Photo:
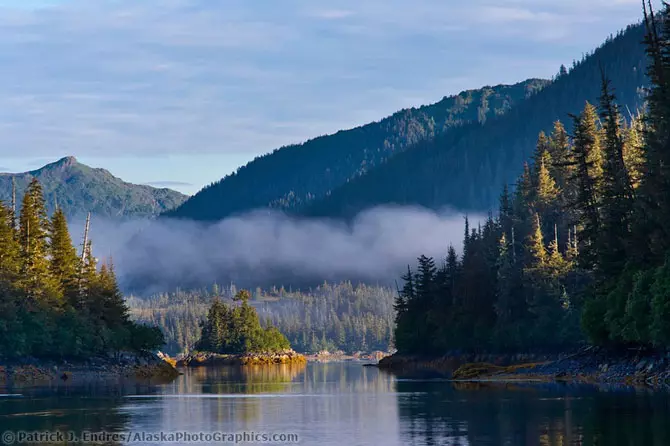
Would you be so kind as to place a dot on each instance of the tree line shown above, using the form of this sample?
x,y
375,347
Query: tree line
x,y
465,167
53,302
295,176
578,251
332,317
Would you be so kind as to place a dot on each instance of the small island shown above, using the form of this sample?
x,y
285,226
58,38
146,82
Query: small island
x,y
233,335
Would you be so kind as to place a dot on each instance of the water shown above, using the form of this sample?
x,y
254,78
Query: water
x,y
346,404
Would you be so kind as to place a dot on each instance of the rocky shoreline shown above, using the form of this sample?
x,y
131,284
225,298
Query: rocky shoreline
x,y
126,366
589,365
200,359
338,356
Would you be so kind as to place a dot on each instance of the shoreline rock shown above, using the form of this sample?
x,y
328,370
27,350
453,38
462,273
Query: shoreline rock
x,y
202,359
340,356
130,366
590,365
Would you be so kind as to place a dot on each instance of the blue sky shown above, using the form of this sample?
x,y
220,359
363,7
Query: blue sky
x,y
182,92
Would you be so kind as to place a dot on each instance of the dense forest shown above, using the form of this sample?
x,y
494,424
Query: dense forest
x,y
54,303
291,177
578,251
77,189
330,317
465,168
454,153
235,329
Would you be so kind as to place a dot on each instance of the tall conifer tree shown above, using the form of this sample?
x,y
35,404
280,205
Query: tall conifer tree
x,y
10,253
33,238
617,190
64,263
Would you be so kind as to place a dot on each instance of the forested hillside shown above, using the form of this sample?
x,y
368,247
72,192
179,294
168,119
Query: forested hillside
x,y
78,189
291,177
581,249
331,317
55,303
467,168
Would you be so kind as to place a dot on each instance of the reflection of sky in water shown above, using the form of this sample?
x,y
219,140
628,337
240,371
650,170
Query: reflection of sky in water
x,y
346,404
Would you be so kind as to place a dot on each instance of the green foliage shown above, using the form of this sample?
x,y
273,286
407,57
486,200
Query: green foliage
x,y
145,337
44,313
64,263
638,310
470,143
10,252
610,195
660,306
617,301
235,329
464,168
36,278
329,317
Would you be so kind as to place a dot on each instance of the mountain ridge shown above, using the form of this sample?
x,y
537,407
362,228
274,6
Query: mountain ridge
x,y
467,170
291,176
78,188
460,160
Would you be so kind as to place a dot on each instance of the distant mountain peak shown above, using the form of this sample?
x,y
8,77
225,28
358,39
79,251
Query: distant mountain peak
x,y
79,189
67,161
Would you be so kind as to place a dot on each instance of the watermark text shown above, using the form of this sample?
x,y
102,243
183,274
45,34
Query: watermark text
x,y
179,437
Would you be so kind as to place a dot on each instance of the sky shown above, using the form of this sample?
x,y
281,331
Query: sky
x,y
179,93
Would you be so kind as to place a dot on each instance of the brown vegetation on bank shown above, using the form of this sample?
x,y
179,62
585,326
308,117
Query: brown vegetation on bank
x,y
200,359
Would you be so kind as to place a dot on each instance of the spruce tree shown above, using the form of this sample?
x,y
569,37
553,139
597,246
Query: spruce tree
x,y
556,264
115,311
585,156
559,150
633,153
510,303
592,134
64,263
538,253
654,190
542,147
546,190
10,253
617,191
37,280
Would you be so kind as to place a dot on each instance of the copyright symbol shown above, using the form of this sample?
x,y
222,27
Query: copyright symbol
x,y
8,437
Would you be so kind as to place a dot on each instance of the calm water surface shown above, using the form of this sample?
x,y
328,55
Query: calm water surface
x,y
347,404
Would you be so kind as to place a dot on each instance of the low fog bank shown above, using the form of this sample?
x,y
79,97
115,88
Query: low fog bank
x,y
266,248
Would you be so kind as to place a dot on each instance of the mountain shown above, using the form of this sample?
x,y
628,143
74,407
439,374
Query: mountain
x,y
291,177
466,169
78,189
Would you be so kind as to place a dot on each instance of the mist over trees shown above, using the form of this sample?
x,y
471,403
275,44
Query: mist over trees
x,y
455,153
330,317
579,251
54,303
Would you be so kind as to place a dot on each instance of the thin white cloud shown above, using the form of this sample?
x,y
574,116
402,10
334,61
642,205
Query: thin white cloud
x,y
331,14
126,78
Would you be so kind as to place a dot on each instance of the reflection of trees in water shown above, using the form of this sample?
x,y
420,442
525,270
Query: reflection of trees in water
x,y
249,396
247,379
65,408
346,377
531,415
223,391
